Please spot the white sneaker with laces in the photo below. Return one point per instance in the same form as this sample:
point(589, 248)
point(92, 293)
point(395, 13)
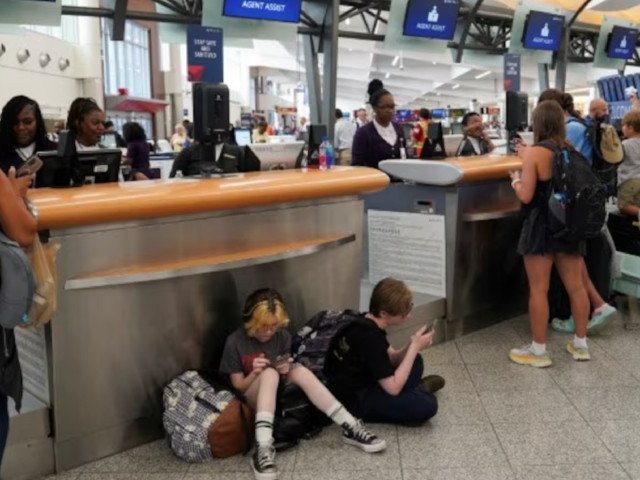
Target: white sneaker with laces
point(362, 438)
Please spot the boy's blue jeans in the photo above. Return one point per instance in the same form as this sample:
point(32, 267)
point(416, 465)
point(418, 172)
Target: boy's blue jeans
point(410, 406)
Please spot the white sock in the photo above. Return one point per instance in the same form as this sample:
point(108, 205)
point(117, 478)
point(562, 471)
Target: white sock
point(340, 415)
point(539, 348)
point(264, 427)
point(579, 342)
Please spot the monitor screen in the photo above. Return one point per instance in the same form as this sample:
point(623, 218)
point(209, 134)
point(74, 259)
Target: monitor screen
point(108, 140)
point(275, 10)
point(439, 113)
point(431, 18)
point(543, 31)
point(95, 166)
point(243, 136)
point(622, 42)
point(277, 156)
point(456, 129)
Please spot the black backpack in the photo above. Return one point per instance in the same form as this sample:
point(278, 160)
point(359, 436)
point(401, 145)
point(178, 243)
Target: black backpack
point(577, 198)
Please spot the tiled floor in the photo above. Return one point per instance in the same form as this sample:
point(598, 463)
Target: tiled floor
point(497, 420)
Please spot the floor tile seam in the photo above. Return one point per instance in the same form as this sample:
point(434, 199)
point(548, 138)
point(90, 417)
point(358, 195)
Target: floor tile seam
point(625, 470)
point(486, 414)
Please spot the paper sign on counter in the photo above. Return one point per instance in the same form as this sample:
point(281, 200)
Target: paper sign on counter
point(409, 247)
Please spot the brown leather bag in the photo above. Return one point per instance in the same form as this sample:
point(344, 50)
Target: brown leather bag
point(232, 432)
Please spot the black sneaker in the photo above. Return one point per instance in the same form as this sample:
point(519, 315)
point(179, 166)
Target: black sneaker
point(263, 462)
point(431, 383)
point(359, 436)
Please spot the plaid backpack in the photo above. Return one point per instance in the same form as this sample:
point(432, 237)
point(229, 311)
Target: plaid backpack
point(202, 423)
point(311, 344)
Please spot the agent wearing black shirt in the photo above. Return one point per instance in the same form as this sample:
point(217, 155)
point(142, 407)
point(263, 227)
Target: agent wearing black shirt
point(372, 379)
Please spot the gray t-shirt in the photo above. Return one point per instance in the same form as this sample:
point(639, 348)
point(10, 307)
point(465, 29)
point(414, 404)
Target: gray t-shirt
point(630, 166)
point(240, 350)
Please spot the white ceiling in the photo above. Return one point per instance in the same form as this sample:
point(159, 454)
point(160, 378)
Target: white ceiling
point(419, 79)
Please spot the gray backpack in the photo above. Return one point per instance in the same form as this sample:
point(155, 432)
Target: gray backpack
point(17, 283)
point(191, 406)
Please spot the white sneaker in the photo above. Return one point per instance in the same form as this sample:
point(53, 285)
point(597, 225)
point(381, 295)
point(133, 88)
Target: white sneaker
point(359, 436)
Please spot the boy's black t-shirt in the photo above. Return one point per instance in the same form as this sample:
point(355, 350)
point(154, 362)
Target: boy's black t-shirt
point(357, 359)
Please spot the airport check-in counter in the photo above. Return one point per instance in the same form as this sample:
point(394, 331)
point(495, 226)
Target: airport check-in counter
point(151, 280)
point(458, 242)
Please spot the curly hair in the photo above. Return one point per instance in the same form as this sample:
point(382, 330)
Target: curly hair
point(9, 117)
point(79, 109)
point(132, 131)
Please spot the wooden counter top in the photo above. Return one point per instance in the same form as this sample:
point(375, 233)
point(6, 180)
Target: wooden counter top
point(94, 204)
point(476, 169)
point(454, 170)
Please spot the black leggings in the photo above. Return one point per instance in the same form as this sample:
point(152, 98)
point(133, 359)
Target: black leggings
point(4, 424)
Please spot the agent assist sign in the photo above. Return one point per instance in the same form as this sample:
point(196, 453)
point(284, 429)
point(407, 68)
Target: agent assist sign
point(431, 18)
point(276, 10)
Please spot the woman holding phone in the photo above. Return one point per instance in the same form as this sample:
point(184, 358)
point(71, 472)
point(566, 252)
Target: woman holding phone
point(22, 133)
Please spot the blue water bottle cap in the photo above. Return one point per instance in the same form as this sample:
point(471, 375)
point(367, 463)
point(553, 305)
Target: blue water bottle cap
point(325, 139)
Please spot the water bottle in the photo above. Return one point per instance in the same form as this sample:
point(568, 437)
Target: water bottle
point(326, 154)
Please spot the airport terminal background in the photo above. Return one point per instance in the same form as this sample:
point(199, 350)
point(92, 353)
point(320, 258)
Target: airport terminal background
point(291, 65)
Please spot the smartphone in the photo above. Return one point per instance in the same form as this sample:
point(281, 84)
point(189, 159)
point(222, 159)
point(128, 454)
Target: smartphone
point(30, 167)
point(281, 360)
point(432, 326)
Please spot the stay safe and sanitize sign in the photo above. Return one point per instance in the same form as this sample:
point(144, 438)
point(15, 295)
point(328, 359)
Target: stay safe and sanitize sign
point(204, 54)
point(275, 10)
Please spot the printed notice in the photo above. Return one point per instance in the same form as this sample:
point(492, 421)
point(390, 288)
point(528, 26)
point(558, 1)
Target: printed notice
point(32, 351)
point(409, 247)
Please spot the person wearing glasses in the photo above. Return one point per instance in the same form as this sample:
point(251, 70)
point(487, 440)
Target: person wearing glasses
point(371, 378)
point(381, 139)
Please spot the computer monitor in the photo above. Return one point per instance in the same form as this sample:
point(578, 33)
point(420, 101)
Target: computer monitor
point(243, 136)
point(277, 156)
point(95, 166)
point(108, 140)
point(456, 129)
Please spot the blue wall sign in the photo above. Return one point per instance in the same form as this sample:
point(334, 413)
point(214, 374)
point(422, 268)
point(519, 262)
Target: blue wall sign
point(622, 43)
point(543, 31)
point(431, 18)
point(276, 10)
point(511, 72)
point(204, 54)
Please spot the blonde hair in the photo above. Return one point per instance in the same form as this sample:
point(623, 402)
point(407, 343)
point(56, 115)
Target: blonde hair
point(391, 296)
point(632, 120)
point(261, 307)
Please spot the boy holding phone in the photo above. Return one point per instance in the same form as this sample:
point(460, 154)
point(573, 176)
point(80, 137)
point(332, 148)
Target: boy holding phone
point(372, 379)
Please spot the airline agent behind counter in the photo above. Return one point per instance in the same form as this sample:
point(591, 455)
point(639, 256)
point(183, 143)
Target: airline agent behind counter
point(381, 139)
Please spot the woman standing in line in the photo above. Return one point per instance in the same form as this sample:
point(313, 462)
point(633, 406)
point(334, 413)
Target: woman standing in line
point(538, 246)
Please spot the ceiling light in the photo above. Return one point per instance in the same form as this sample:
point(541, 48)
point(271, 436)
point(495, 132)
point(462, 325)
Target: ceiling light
point(347, 21)
point(23, 55)
point(455, 87)
point(387, 75)
point(482, 75)
point(438, 94)
point(435, 63)
point(63, 64)
point(44, 59)
point(395, 60)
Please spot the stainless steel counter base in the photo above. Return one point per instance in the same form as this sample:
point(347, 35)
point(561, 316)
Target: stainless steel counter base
point(485, 279)
point(114, 345)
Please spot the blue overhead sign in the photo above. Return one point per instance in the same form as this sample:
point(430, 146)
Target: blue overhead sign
point(204, 54)
point(543, 31)
point(622, 42)
point(275, 10)
point(431, 18)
